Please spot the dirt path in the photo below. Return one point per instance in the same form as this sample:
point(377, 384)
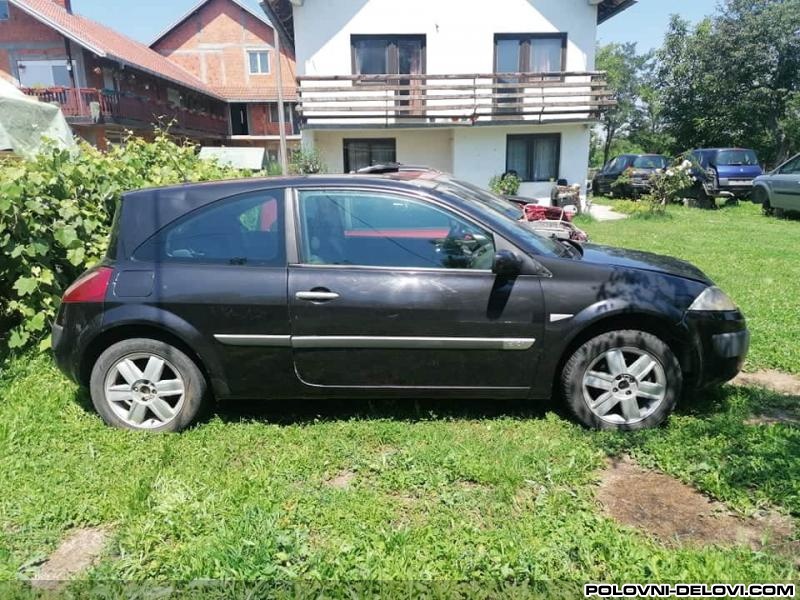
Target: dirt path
point(774, 381)
point(605, 213)
point(678, 515)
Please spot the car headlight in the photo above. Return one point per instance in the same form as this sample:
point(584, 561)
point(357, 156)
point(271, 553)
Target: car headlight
point(713, 299)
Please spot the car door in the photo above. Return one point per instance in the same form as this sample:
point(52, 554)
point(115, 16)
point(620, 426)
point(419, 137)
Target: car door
point(222, 270)
point(786, 185)
point(393, 290)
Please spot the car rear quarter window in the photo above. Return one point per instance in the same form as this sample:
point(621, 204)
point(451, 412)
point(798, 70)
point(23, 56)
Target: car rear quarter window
point(373, 229)
point(244, 230)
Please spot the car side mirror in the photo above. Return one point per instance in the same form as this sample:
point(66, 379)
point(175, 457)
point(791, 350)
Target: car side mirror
point(506, 264)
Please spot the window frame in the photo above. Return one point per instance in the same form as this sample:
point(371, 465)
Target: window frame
point(530, 138)
point(258, 52)
point(295, 252)
point(7, 13)
point(285, 233)
point(393, 53)
point(346, 141)
point(525, 40)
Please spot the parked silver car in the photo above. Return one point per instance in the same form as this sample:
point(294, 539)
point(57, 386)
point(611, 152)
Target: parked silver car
point(779, 190)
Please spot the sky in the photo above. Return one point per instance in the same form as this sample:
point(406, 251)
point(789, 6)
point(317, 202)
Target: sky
point(644, 23)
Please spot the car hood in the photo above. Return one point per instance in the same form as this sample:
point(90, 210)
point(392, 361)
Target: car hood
point(739, 171)
point(647, 261)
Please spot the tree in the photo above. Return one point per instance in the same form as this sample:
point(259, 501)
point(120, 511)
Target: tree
point(734, 79)
point(623, 69)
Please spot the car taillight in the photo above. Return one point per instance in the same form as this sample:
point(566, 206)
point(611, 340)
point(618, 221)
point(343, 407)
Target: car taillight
point(90, 287)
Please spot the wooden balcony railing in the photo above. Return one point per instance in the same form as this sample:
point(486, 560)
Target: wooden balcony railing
point(89, 105)
point(464, 99)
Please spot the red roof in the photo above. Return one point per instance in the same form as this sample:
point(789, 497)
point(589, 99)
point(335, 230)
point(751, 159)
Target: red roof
point(107, 43)
point(243, 93)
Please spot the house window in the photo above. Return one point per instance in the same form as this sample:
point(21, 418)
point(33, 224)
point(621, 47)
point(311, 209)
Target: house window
point(534, 157)
point(360, 153)
point(388, 54)
point(530, 53)
point(3, 10)
point(259, 62)
point(44, 73)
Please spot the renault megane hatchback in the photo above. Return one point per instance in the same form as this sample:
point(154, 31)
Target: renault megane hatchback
point(380, 286)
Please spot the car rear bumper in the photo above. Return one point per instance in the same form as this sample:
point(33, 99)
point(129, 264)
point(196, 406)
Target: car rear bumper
point(722, 341)
point(71, 334)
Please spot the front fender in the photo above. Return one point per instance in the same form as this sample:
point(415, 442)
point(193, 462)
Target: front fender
point(561, 335)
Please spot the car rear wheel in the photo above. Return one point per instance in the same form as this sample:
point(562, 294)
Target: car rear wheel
point(622, 380)
point(147, 385)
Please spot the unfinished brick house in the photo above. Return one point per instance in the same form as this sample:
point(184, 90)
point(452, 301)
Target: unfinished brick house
point(231, 48)
point(212, 74)
point(104, 82)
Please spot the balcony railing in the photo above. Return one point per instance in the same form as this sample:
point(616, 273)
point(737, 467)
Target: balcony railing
point(88, 105)
point(463, 99)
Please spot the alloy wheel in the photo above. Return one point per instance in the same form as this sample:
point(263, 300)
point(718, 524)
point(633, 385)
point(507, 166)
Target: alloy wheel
point(144, 390)
point(624, 385)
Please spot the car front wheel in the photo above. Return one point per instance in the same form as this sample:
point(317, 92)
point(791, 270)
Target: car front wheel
point(622, 380)
point(147, 385)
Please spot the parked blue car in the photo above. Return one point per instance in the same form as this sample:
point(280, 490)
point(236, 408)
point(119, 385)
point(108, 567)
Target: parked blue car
point(724, 172)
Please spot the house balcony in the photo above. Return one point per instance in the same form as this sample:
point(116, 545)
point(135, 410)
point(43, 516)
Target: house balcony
point(86, 106)
point(451, 100)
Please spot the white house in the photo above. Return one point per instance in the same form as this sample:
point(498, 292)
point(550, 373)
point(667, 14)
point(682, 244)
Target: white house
point(472, 88)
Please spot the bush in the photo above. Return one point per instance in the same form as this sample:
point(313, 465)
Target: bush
point(667, 186)
point(55, 213)
point(505, 185)
point(306, 162)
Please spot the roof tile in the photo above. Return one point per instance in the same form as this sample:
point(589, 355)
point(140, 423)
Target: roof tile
point(106, 42)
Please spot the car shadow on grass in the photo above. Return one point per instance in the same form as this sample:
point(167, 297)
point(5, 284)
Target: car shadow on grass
point(292, 412)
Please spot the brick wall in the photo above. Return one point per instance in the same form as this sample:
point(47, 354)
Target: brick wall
point(23, 37)
point(213, 44)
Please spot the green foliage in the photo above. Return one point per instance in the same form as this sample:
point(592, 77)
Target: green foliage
point(624, 68)
point(505, 185)
point(733, 80)
point(55, 213)
point(304, 161)
point(668, 186)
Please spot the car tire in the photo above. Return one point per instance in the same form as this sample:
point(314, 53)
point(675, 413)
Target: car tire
point(147, 385)
point(622, 380)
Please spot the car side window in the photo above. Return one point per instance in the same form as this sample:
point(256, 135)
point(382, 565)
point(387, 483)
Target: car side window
point(791, 168)
point(342, 227)
point(244, 230)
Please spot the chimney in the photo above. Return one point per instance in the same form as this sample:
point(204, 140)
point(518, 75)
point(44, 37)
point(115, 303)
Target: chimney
point(65, 4)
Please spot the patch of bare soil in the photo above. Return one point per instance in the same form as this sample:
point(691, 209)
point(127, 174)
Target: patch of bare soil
point(341, 481)
point(774, 381)
point(677, 514)
point(79, 551)
point(774, 416)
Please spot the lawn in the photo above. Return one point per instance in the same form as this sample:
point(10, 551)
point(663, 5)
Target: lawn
point(436, 491)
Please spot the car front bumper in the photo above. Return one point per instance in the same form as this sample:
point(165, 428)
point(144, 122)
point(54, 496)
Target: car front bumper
point(721, 343)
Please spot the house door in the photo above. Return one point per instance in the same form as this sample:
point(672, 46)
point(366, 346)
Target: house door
point(239, 122)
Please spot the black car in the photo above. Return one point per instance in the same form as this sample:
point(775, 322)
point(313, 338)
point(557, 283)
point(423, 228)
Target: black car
point(379, 286)
point(639, 168)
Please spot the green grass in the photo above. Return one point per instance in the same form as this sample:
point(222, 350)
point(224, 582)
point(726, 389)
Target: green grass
point(440, 491)
point(755, 259)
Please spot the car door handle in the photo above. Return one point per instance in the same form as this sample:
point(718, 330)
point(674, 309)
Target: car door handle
point(316, 296)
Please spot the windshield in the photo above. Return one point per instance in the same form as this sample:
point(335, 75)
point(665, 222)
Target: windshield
point(730, 158)
point(505, 214)
point(650, 162)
